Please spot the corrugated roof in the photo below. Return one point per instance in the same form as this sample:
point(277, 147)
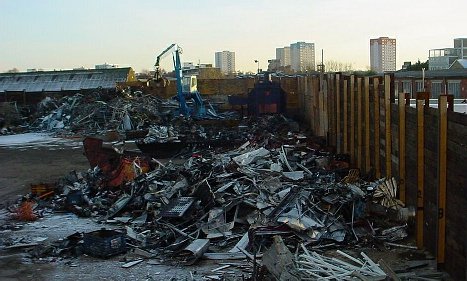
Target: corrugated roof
point(67, 80)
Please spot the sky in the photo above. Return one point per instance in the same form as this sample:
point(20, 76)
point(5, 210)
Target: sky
point(65, 34)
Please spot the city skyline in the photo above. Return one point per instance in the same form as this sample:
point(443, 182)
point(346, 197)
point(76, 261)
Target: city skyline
point(67, 34)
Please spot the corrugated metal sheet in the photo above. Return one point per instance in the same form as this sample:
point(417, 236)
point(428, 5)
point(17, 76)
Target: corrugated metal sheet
point(69, 80)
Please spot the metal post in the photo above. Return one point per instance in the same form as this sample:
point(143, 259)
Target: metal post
point(338, 115)
point(345, 107)
point(442, 170)
point(359, 123)
point(402, 191)
point(257, 72)
point(387, 126)
point(367, 123)
point(377, 141)
point(420, 171)
point(352, 119)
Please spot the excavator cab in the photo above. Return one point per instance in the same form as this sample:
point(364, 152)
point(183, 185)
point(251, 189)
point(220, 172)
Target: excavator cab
point(190, 84)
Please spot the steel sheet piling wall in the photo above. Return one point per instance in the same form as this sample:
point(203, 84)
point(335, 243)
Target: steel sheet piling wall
point(359, 124)
point(402, 131)
point(367, 123)
point(376, 140)
point(427, 156)
point(420, 172)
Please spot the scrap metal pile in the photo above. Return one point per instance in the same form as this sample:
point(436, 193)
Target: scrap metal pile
point(229, 205)
point(90, 113)
point(144, 117)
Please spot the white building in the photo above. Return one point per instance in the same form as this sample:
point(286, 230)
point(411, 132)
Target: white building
point(105, 66)
point(443, 58)
point(283, 56)
point(383, 54)
point(302, 56)
point(188, 65)
point(225, 60)
point(460, 44)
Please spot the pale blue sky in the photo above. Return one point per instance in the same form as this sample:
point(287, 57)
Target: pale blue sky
point(63, 34)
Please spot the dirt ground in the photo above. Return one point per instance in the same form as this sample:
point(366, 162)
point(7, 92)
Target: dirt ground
point(21, 167)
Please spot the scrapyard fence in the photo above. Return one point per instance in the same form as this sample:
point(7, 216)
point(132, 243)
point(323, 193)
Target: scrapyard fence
point(424, 148)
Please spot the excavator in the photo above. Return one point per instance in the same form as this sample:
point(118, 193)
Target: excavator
point(186, 86)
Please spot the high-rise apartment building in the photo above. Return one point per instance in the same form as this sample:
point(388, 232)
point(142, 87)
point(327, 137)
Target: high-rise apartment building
point(283, 56)
point(302, 56)
point(225, 60)
point(443, 58)
point(383, 54)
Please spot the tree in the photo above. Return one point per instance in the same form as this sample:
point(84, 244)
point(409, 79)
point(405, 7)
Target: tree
point(418, 66)
point(367, 72)
point(13, 70)
point(335, 66)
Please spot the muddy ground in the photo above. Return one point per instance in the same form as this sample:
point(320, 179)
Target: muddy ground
point(22, 165)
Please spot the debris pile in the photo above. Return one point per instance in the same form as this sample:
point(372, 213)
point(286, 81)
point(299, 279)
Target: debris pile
point(230, 205)
point(11, 119)
point(187, 134)
point(98, 112)
point(314, 265)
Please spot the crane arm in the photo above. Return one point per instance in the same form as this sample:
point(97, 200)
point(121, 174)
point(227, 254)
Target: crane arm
point(159, 57)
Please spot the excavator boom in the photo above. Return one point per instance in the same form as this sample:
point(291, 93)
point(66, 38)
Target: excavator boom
point(157, 75)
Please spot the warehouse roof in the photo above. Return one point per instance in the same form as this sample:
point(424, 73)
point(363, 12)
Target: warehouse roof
point(64, 80)
point(430, 74)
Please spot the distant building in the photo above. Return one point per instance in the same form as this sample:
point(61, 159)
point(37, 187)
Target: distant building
point(446, 81)
point(383, 54)
point(439, 59)
point(283, 56)
point(202, 71)
point(302, 56)
point(406, 65)
point(443, 58)
point(191, 66)
point(460, 44)
point(225, 60)
point(205, 65)
point(106, 66)
point(188, 65)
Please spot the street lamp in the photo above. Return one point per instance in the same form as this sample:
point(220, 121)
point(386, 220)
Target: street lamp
point(257, 61)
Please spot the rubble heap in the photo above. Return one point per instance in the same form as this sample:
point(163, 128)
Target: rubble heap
point(98, 112)
point(229, 205)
